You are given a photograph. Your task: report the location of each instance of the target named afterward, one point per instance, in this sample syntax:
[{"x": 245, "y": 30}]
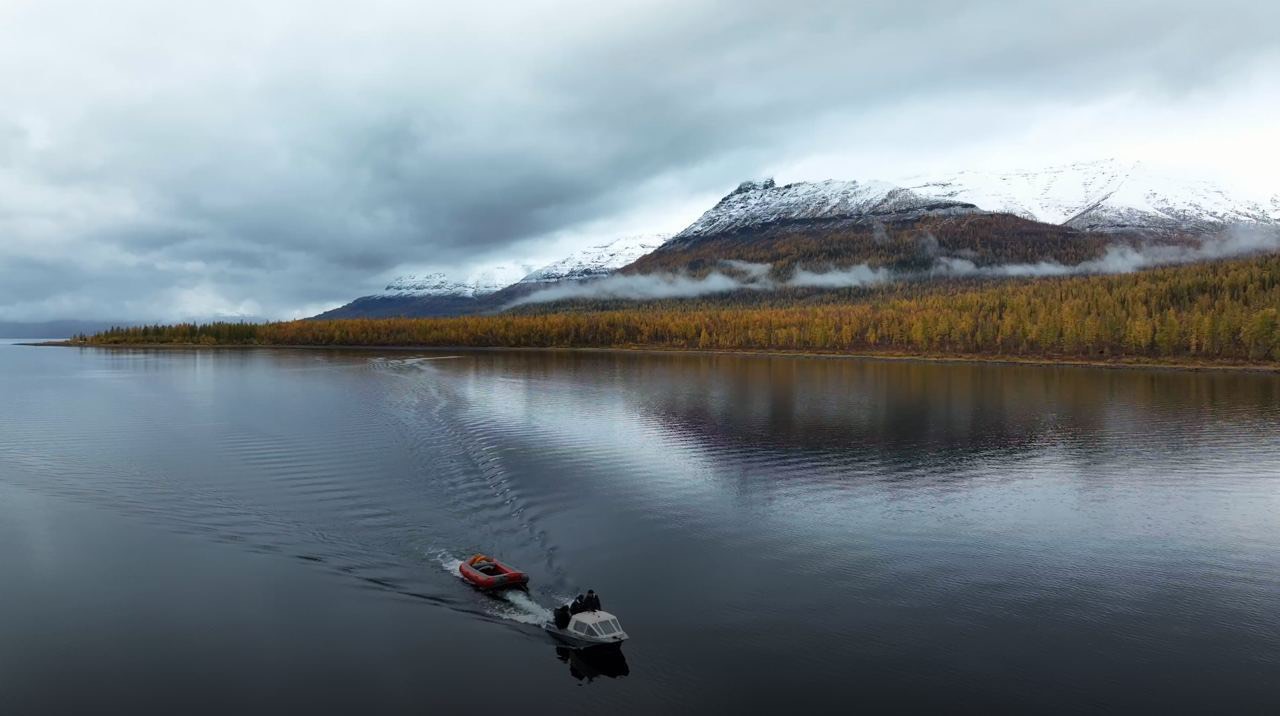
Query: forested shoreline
[{"x": 1224, "y": 312}]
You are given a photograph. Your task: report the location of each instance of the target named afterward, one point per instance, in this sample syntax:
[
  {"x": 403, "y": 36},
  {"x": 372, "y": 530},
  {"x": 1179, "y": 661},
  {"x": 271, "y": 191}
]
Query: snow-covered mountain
[
  {"x": 432, "y": 294},
  {"x": 761, "y": 203},
  {"x": 1054, "y": 205},
  {"x": 591, "y": 262},
  {"x": 596, "y": 261},
  {"x": 491, "y": 288},
  {"x": 1107, "y": 195},
  {"x": 478, "y": 283}
]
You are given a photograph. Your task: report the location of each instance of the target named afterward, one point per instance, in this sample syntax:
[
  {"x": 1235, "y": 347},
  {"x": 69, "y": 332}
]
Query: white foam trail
[
  {"x": 402, "y": 362},
  {"x": 529, "y": 611},
  {"x": 423, "y": 359},
  {"x": 520, "y": 606},
  {"x": 450, "y": 564}
]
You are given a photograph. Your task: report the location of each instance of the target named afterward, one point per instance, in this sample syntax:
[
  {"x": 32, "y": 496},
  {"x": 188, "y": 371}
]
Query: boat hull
[
  {"x": 503, "y": 577},
  {"x": 577, "y": 641}
]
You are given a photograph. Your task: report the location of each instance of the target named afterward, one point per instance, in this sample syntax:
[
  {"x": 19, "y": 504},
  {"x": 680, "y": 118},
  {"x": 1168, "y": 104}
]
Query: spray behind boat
[{"x": 580, "y": 624}]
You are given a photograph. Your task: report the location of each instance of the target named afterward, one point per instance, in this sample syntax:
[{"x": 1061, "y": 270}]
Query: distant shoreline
[{"x": 1123, "y": 364}]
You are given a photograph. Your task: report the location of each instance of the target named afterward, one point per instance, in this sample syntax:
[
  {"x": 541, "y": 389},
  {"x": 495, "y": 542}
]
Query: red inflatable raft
[{"x": 488, "y": 573}]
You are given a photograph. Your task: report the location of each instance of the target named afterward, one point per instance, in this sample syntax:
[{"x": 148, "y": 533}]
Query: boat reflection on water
[{"x": 590, "y": 664}]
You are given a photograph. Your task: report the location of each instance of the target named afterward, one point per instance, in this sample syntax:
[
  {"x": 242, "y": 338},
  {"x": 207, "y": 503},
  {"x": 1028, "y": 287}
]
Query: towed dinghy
[{"x": 488, "y": 573}]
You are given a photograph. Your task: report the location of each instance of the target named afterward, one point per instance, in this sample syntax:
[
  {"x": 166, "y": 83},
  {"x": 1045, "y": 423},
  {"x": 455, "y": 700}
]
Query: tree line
[{"x": 1225, "y": 311}]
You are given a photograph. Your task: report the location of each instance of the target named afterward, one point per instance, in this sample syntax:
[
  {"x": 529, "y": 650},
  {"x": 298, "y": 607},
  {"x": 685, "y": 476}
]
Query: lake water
[{"x": 241, "y": 530}]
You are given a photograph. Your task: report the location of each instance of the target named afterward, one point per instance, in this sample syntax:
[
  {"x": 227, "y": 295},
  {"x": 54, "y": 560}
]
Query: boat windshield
[{"x": 607, "y": 627}]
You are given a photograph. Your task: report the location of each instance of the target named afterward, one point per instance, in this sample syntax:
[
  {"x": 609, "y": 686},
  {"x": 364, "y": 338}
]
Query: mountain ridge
[
  {"x": 598, "y": 260},
  {"x": 477, "y": 283},
  {"x": 491, "y": 288},
  {"x": 1105, "y": 195},
  {"x": 1065, "y": 214}
]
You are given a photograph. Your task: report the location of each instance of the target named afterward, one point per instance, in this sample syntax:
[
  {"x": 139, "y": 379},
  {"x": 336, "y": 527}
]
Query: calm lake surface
[{"x": 226, "y": 530}]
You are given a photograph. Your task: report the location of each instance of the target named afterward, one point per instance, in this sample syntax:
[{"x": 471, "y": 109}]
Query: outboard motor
[{"x": 562, "y": 616}]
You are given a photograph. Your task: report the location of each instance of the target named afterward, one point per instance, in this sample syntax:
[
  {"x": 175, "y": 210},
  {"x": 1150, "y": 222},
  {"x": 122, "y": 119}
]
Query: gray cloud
[{"x": 278, "y": 157}]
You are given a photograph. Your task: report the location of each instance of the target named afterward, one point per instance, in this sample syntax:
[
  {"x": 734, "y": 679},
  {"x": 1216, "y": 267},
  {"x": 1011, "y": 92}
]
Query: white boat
[{"x": 587, "y": 629}]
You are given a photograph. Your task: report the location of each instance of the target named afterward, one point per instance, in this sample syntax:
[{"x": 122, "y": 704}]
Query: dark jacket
[{"x": 592, "y": 602}]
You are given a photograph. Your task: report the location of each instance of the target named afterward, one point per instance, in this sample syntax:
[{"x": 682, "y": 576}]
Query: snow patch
[
  {"x": 478, "y": 283},
  {"x": 1107, "y": 195},
  {"x": 757, "y": 203},
  {"x": 596, "y": 261}
]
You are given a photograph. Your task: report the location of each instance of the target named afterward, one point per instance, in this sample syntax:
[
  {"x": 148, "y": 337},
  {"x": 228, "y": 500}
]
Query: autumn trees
[{"x": 1226, "y": 311}]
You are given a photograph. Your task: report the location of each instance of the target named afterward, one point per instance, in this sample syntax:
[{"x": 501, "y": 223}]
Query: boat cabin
[{"x": 596, "y": 626}]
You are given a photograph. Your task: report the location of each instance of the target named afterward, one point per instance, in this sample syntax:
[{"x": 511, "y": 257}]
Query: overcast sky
[{"x": 162, "y": 159}]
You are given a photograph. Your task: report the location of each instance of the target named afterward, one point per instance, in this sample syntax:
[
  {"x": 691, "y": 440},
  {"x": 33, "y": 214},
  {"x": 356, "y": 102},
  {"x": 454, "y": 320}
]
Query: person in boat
[
  {"x": 562, "y": 616},
  {"x": 578, "y": 605},
  {"x": 482, "y": 564},
  {"x": 592, "y": 601}
]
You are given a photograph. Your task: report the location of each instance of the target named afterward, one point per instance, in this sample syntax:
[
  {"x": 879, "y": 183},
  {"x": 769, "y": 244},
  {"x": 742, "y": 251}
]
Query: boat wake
[
  {"x": 462, "y": 463},
  {"x": 511, "y": 604},
  {"x": 529, "y": 611}
]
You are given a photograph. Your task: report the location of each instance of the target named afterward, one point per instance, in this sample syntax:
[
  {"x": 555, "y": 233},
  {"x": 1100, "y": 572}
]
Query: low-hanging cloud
[
  {"x": 1127, "y": 258},
  {"x": 741, "y": 275},
  {"x": 647, "y": 287},
  {"x": 853, "y": 276}
]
